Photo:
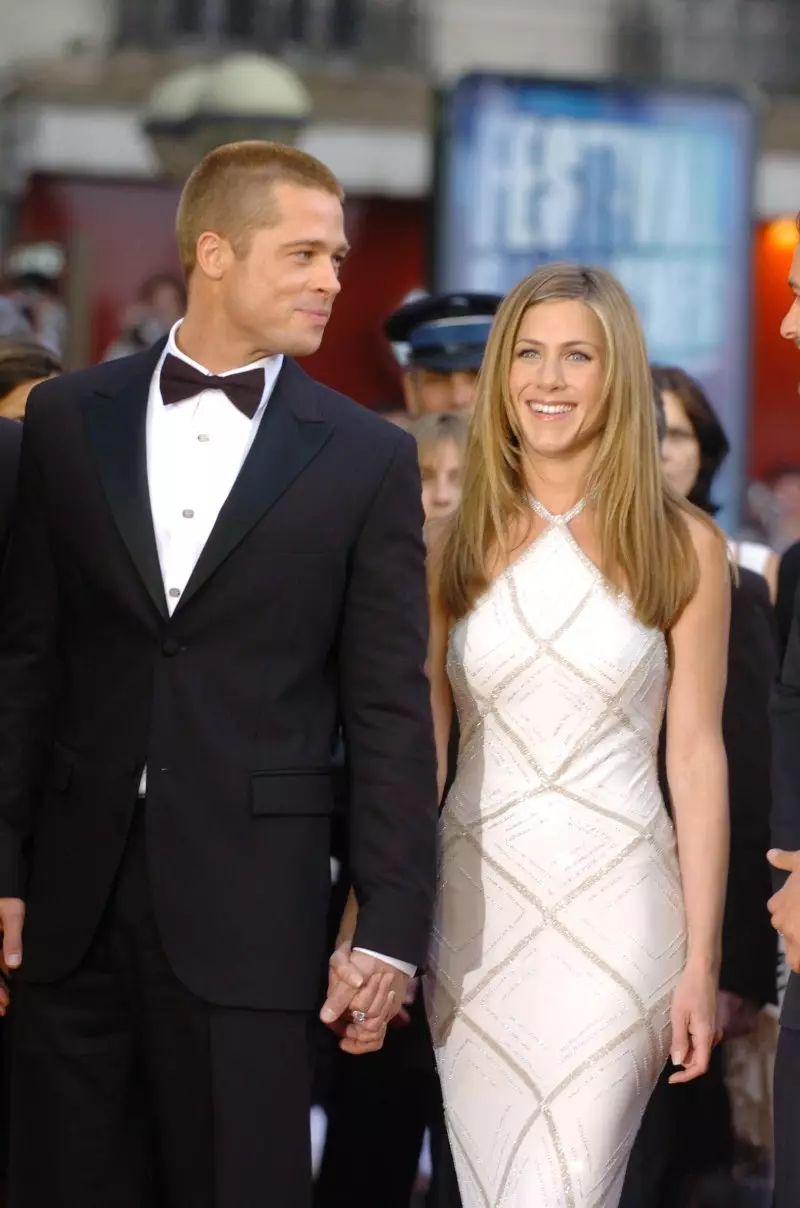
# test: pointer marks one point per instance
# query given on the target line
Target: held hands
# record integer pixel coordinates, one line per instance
(364, 994)
(12, 917)
(785, 905)
(694, 1023)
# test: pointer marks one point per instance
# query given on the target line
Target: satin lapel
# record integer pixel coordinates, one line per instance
(116, 427)
(289, 437)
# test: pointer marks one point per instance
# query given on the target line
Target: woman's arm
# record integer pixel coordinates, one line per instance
(697, 772)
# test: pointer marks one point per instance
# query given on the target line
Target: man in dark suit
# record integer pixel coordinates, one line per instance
(212, 570)
(785, 905)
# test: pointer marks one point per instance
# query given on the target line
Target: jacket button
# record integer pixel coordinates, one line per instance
(171, 646)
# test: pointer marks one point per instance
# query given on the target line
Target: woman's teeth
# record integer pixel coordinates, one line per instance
(551, 408)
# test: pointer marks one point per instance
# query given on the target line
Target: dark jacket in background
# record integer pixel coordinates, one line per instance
(788, 579)
(786, 752)
(10, 444)
(686, 1131)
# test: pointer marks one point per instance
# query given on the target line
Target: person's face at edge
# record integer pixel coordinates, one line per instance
(441, 466)
(790, 327)
(680, 448)
(428, 392)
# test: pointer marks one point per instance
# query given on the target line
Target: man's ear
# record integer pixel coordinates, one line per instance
(214, 255)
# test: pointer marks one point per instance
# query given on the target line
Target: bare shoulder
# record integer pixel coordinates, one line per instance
(710, 547)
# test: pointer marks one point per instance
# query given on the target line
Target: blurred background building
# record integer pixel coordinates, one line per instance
(103, 104)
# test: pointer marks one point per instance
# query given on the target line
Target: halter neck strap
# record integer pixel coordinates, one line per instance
(563, 517)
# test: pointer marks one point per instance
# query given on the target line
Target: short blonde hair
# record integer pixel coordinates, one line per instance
(230, 192)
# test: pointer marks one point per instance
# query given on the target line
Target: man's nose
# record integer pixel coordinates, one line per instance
(789, 324)
(328, 278)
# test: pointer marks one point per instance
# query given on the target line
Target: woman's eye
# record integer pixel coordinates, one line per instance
(578, 356)
(303, 256)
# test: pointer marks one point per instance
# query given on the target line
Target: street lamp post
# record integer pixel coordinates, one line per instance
(237, 97)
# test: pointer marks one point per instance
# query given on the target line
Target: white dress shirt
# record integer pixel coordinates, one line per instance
(195, 450)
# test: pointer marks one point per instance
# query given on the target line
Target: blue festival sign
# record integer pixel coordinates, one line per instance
(652, 183)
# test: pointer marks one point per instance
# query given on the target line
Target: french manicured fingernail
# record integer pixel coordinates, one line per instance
(13, 960)
(327, 1015)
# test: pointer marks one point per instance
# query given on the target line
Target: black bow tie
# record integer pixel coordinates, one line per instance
(180, 380)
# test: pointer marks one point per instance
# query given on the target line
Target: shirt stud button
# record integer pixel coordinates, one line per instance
(203, 437)
(174, 592)
(187, 514)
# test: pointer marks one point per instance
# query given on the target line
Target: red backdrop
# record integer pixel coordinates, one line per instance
(126, 229)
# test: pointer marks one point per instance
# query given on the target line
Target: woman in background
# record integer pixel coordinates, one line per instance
(441, 448)
(693, 450)
(22, 366)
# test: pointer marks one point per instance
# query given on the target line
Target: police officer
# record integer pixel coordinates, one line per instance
(440, 340)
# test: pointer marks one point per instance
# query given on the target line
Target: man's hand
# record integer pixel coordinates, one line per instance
(12, 917)
(364, 985)
(785, 905)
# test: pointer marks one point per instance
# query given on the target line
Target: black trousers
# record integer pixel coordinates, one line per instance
(378, 1110)
(127, 1091)
(685, 1144)
(787, 1120)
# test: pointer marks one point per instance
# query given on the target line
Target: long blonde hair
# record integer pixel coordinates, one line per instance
(645, 541)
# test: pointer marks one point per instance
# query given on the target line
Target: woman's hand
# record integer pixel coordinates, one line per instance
(694, 1023)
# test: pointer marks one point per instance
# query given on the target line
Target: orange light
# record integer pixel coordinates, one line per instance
(782, 233)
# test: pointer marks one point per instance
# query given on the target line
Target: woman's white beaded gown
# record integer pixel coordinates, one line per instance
(559, 933)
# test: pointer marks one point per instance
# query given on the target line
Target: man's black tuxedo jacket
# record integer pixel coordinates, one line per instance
(786, 778)
(306, 611)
